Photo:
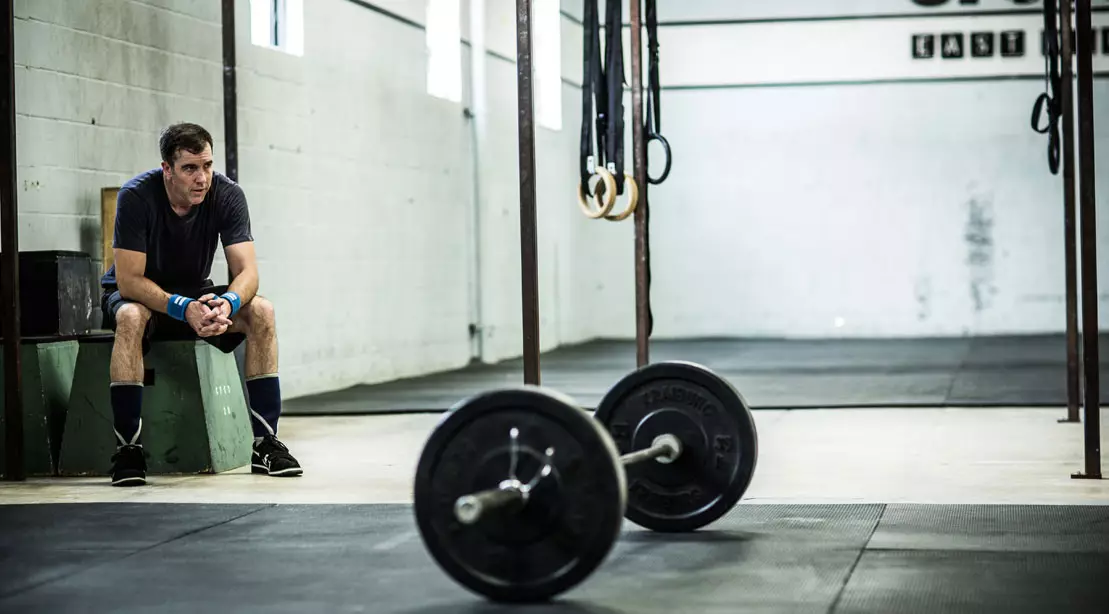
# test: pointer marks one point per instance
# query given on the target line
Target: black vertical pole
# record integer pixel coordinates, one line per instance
(230, 97)
(639, 148)
(9, 244)
(1087, 203)
(528, 248)
(1070, 246)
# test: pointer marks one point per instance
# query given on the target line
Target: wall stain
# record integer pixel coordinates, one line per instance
(923, 298)
(980, 251)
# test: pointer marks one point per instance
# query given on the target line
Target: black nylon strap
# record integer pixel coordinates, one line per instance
(654, 98)
(602, 114)
(1053, 83)
(614, 80)
(592, 93)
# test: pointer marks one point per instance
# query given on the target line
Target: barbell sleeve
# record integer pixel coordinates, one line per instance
(468, 509)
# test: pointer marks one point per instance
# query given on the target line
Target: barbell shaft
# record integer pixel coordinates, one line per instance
(665, 449)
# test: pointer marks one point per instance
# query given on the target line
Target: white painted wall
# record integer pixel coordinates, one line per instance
(826, 206)
(361, 185)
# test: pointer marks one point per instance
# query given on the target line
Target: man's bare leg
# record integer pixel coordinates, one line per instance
(126, 393)
(127, 365)
(258, 321)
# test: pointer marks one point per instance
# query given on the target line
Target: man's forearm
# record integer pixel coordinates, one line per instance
(143, 290)
(245, 285)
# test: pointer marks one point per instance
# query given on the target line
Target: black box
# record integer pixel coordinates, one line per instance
(56, 293)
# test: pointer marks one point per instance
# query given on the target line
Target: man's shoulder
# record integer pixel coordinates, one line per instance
(144, 180)
(145, 184)
(225, 190)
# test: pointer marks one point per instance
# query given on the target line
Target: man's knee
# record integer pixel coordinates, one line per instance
(131, 319)
(260, 315)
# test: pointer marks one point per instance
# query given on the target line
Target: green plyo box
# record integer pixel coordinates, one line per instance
(47, 366)
(194, 414)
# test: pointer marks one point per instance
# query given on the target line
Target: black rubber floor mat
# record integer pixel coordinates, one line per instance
(1006, 528)
(43, 543)
(1011, 371)
(958, 581)
(369, 558)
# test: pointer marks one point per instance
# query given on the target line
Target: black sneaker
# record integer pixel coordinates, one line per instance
(271, 457)
(129, 466)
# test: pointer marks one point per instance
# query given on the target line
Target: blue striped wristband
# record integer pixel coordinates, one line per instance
(234, 299)
(176, 306)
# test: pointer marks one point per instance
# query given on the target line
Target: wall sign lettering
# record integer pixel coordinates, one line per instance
(952, 45)
(1012, 44)
(981, 44)
(924, 46)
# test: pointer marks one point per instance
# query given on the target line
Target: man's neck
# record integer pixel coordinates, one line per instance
(180, 208)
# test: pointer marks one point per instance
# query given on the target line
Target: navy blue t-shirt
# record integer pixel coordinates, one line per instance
(179, 249)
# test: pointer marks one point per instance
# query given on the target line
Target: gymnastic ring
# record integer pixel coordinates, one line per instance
(633, 200)
(652, 136)
(603, 208)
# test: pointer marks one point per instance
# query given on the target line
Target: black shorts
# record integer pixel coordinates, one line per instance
(161, 327)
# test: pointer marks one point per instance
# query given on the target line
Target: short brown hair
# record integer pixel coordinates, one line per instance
(190, 137)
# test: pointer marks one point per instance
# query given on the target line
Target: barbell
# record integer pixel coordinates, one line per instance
(520, 494)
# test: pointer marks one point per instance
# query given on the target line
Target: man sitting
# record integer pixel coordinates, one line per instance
(168, 222)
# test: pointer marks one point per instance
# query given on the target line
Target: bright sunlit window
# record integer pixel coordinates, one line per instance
(278, 24)
(548, 63)
(444, 49)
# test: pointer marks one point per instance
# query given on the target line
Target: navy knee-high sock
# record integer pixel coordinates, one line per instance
(265, 404)
(127, 412)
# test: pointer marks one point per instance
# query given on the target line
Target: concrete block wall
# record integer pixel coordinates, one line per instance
(95, 82)
(361, 185)
(826, 184)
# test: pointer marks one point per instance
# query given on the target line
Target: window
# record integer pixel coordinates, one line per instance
(278, 24)
(444, 49)
(548, 63)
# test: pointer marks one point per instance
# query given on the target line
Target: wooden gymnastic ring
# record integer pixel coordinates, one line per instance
(633, 200)
(603, 208)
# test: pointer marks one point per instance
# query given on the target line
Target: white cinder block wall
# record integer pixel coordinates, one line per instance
(840, 209)
(361, 184)
(95, 82)
(360, 192)
(825, 205)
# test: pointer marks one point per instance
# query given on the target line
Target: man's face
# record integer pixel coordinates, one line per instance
(190, 177)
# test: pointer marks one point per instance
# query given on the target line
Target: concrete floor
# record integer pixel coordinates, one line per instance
(1003, 455)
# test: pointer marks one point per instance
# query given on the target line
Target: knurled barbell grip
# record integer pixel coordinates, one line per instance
(468, 509)
(665, 449)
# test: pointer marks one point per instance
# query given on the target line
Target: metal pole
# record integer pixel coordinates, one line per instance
(478, 126)
(1087, 202)
(528, 258)
(9, 244)
(231, 132)
(1070, 246)
(230, 96)
(639, 147)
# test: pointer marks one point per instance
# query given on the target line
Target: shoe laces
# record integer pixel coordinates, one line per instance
(271, 443)
(126, 450)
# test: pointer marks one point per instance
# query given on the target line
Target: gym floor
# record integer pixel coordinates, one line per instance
(948, 508)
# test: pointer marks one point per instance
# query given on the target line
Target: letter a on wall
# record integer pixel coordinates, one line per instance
(952, 45)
